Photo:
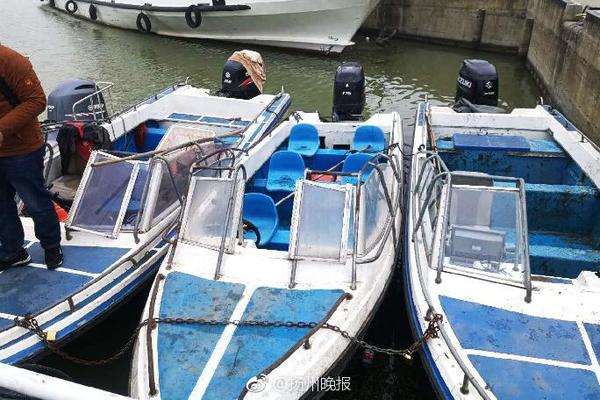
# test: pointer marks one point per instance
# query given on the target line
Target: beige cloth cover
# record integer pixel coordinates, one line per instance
(253, 62)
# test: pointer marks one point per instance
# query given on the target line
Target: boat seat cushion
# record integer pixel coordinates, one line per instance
(304, 140)
(285, 168)
(490, 142)
(368, 138)
(260, 211)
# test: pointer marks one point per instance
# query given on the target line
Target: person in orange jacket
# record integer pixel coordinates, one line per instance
(22, 152)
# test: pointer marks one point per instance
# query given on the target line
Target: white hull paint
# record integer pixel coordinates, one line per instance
(321, 26)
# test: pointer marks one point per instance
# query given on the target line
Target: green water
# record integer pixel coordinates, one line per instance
(398, 77)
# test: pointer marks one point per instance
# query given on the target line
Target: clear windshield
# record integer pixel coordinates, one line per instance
(104, 195)
(321, 221)
(485, 231)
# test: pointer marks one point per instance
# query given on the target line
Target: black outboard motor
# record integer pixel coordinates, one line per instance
(237, 82)
(349, 92)
(62, 99)
(478, 83)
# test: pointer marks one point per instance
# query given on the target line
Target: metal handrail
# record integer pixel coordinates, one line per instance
(230, 206)
(417, 221)
(468, 376)
(525, 238)
(138, 217)
(371, 164)
(96, 94)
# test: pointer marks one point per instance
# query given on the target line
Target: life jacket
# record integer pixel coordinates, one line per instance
(79, 139)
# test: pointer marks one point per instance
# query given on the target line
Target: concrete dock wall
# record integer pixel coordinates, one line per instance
(564, 57)
(560, 48)
(491, 24)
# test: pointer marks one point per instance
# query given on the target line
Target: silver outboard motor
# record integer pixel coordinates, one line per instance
(68, 93)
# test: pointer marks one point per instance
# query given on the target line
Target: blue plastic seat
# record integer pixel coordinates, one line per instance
(260, 211)
(369, 138)
(285, 168)
(304, 140)
(353, 164)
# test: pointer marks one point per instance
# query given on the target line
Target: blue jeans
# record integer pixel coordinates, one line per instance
(24, 175)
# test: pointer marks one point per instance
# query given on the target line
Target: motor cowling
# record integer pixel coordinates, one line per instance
(349, 92)
(478, 83)
(67, 93)
(237, 82)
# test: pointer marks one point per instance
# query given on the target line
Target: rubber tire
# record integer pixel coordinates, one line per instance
(72, 10)
(147, 27)
(193, 12)
(93, 11)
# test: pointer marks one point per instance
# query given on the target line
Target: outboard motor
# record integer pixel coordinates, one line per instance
(237, 82)
(62, 99)
(349, 92)
(478, 83)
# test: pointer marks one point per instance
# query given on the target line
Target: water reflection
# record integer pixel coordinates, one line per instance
(398, 76)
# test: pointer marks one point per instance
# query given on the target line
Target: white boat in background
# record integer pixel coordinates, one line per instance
(317, 25)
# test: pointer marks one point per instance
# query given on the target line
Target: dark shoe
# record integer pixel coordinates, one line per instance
(54, 258)
(18, 259)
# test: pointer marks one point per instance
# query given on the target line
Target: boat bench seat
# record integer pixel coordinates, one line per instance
(562, 208)
(545, 162)
(554, 254)
(534, 147)
(463, 141)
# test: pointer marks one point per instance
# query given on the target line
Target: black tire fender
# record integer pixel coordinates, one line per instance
(143, 23)
(193, 16)
(71, 7)
(93, 11)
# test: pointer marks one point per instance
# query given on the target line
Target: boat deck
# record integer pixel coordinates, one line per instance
(32, 289)
(237, 352)
(524, 356)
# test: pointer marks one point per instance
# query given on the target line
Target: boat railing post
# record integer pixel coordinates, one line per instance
(525, 233)
(445, 215)
(230, 206)
(464, 389)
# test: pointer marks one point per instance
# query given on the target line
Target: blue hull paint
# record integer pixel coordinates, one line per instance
(77, 327)
(441, 389)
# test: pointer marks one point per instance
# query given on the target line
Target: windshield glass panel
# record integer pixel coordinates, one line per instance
(321, 230)
(484, 232)
(136, 197)
(99, 209)
(206, 212)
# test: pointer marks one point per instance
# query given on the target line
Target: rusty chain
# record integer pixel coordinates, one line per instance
(30, 323)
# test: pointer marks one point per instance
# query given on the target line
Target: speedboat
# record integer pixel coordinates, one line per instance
(502, 246)
(125, 205)
(301, 236)
(281, 259)
(320, 25)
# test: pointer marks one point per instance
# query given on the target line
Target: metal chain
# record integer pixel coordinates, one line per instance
(31, 324)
